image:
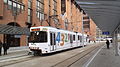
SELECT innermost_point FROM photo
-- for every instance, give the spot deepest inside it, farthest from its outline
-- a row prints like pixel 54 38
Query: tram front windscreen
pixel 38 37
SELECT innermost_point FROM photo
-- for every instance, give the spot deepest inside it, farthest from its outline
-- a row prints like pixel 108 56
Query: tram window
pixel 73 37
pixel 40 36
pixel 51 39
pixel 78 37
pixel 54 39
pixel 68 37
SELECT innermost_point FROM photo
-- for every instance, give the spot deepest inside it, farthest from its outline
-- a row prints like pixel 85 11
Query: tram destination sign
pixel 37 29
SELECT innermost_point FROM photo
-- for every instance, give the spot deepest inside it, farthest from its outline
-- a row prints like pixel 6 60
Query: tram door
pixel 71 40
pixel 52 41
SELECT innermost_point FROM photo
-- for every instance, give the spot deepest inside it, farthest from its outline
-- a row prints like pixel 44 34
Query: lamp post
pixel 116 43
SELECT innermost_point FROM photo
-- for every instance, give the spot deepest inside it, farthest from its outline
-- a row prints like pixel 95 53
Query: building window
pixel 40 9
pixel 55 19
pixel 29 15
pixel 49 6
pixel 29 11
pixel 86 22
pixel 5 1
pixel 63 6
pixel 9 4
pixel 86 26
pixel 29 3
pixel 15 5
pixel 55 7
pixel 22 7
pixel 18 8
pixel 86 17
pixel 14 8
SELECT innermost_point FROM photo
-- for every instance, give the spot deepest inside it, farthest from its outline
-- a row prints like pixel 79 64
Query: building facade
pixel 17 16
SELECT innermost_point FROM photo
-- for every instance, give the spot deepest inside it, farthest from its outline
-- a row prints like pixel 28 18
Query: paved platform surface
pixel 15 52
pixel 105 58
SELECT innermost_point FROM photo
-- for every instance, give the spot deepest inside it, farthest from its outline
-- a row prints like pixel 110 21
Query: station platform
pixel 104 58
pixel 14 52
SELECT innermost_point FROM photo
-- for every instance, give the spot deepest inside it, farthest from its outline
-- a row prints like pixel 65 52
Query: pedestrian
pixel 107 43
pixel 111 41
pixel 94 41
pixel 89 41
pixel 5 47
pixel 0 48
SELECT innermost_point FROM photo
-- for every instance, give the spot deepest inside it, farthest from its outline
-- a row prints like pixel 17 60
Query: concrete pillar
pixel 115 43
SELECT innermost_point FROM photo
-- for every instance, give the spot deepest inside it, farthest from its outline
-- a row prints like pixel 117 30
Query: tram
pixel 45 39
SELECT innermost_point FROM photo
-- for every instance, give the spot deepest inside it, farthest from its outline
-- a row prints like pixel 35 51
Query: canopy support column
pixel 115 43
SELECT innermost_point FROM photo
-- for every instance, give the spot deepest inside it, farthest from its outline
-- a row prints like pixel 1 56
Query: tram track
pixel 72 60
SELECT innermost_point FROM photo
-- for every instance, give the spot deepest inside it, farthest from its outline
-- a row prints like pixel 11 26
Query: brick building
pixel 17 16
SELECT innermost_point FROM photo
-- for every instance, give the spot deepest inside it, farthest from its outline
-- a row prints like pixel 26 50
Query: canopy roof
pixel 105 13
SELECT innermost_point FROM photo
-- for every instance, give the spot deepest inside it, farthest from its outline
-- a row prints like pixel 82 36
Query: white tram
pixel 48 39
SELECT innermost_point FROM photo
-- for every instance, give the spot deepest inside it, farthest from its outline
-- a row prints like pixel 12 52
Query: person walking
pixel 0 48
pixel 107 43
pixel 5 47
pixel 111 41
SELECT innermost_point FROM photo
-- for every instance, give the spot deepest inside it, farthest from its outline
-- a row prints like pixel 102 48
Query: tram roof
pixel 105 13
pixel 53 29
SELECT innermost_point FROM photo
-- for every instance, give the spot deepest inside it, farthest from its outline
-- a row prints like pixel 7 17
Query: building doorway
pixel 12 39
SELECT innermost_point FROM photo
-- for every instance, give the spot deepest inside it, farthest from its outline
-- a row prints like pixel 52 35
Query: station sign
pixel 106 33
